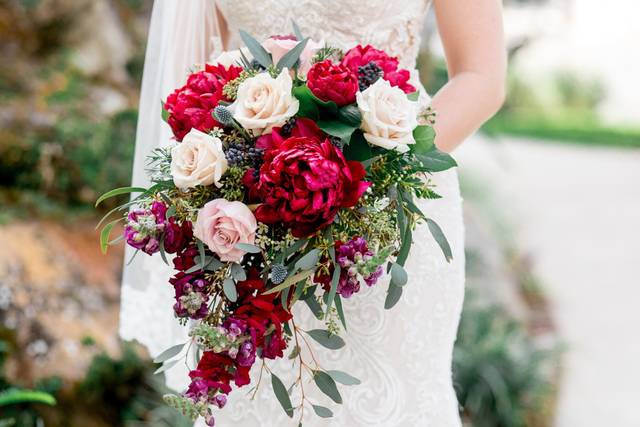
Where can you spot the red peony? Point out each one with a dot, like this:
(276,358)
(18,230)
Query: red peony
(304,182)
(333,82)
(191,106)
(360,56)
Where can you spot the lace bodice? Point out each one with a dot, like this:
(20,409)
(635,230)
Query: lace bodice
(394,26)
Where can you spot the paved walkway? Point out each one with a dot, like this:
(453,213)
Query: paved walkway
(577,211)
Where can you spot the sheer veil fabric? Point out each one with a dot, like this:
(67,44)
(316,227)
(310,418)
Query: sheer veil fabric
(402,356)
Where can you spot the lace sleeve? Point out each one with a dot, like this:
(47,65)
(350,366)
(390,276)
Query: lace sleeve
(181,34)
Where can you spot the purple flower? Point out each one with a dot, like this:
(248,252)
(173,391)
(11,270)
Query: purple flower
(192,300)
(145,227)
(247,354)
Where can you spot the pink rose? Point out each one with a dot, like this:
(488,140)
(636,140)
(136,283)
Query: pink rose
(278,46)
(222,224)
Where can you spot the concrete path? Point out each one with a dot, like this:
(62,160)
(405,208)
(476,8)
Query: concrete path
(576,209)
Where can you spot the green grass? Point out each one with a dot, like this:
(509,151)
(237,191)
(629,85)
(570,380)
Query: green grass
(574,128)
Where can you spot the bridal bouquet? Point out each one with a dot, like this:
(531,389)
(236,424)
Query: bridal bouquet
(293,178)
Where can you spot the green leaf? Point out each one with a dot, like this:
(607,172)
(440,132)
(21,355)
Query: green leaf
(437,234)
(296,30)
(334,284)
(413,96)
(165,113)
(258,52)
(202,252)
(238,272)
(303,275)
(436,160)
(340,311)
(350,114)
(163,254)
(308,107)
(337,128)
(15,397)
(229,288)
(424,136)
(358,148)
(169,353)
(326,384)
(290,58)
(309,260)
(119,191)
(249,248)
(295,247)
(398,275)
(322,412)
(315,307)
(407,240)
(343,378)
(324,338)
(393,296)
(165,366)
(281,394)
(106,233)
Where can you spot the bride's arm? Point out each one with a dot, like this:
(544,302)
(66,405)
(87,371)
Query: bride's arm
(473,40)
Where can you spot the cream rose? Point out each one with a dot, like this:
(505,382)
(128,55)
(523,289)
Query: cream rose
(264,102)
(222,224)
(388,116)
(279,46)
(197,160)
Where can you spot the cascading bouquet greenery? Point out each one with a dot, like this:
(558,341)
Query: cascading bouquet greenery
(292,178)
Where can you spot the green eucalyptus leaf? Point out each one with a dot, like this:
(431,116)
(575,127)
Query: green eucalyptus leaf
(167,365)
(309,260)
(258,52)
(334,284)
(322,412)
(324,338)
(393,296)
(399,275)
(229,288)
(281,394)
(169,353)
(315,307)
(202,252)
(327,385)
(343,320)
(440,238)
(343,378)
(296,30)
(238,272)
(105,234)
(290,58)
(249,248)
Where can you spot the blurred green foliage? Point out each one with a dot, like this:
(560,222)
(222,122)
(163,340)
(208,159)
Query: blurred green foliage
(500,373)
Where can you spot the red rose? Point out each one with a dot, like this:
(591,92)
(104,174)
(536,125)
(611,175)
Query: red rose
(304,182)
(333,82)
(191,106)
(360,56)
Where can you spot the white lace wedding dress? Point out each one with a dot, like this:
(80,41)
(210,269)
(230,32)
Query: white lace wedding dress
(402,355)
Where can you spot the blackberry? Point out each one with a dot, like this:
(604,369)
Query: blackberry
(337,142)
(287,128)
(244,155)
(368,75)
(278,273)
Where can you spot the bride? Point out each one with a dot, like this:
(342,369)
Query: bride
(403,355)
